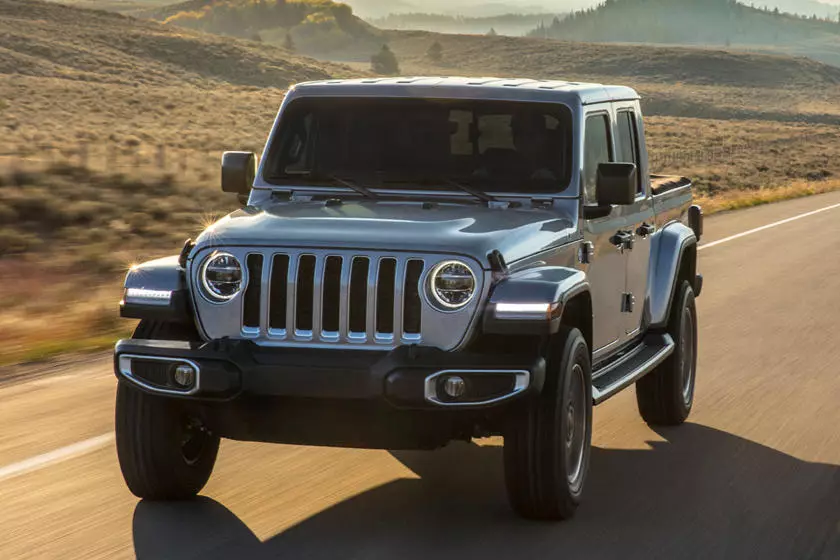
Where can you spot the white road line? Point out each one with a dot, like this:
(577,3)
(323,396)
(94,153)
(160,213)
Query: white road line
(55,456)
(768,226)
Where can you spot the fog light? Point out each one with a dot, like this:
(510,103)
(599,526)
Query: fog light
(455,387)
(184,375)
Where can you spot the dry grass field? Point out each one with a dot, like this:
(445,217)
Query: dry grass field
(90,101)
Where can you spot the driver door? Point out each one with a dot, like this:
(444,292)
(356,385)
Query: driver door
(606,268)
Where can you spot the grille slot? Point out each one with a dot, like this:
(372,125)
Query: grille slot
(348,299)
(358,294)
(413,306)
(331,304)
(277,292)
(305,307)
(251,304)
(385,297)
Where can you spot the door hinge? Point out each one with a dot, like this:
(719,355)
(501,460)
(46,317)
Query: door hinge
(585,252)
(628,302)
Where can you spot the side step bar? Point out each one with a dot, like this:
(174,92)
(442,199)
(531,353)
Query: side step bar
(620,374)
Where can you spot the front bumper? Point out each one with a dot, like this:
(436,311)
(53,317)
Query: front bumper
(405,378)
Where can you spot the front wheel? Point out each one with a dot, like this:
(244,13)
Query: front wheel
(164,452)
(547,444)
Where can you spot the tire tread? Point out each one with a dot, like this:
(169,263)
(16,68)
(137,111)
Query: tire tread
(658,394)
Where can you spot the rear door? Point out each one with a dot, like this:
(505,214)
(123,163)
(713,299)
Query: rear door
(638,217)
(606,268)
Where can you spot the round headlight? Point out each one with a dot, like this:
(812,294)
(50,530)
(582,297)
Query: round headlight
(221,276)
(452,284)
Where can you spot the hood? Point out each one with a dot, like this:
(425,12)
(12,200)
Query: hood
(464,229)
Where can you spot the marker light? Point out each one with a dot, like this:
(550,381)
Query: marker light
(147,297)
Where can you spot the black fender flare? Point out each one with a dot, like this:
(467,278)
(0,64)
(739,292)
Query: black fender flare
(157,290)
(541,293)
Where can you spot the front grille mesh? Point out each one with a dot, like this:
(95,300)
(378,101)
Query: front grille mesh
(342,298)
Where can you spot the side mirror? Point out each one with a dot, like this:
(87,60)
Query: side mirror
(616,184)
(239,169)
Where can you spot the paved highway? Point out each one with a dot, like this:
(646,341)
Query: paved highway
(755,474)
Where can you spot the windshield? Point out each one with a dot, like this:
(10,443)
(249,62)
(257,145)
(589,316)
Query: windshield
(434,144)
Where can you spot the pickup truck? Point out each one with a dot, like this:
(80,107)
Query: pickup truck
(418,261)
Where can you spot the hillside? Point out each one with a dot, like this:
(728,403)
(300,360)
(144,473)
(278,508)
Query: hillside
(700,22)
(121,6)
(516,56)
(315,26)
(52,40)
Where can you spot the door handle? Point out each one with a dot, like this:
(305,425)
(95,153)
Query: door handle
(645,229)
(622,240)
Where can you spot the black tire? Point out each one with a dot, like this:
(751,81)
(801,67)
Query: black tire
(164,453)
(547,443)
(665,396)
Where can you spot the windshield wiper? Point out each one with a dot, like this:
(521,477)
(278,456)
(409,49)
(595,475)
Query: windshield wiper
(364,191)
(480,195)
(336,180)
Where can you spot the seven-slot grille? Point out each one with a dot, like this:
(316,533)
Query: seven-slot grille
(341,298)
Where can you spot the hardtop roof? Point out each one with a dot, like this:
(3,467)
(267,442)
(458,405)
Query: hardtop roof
(522,89)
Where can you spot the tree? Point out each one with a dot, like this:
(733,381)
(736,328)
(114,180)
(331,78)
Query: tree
(435,52)
(385,62)
(289,43)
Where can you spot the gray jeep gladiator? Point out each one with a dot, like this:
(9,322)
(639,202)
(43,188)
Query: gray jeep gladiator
(417,261)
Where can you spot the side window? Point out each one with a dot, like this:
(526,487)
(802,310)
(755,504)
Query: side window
(628,148)
(596,150)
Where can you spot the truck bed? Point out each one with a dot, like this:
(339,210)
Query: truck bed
(660,184)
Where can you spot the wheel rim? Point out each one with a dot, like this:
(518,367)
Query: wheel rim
(193,440)
(576,426)
(687,356)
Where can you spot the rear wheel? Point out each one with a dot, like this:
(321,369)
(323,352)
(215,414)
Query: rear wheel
(164,452)
(665,396)
(547,444)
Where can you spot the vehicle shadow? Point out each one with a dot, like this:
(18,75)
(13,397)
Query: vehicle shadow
(702,493)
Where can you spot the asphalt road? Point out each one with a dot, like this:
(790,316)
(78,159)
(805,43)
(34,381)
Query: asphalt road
(754,474)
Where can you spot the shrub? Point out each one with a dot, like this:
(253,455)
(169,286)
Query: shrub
(16,242)
(38,206)
(8,215)
(86,212)
(435,52)
(385,62)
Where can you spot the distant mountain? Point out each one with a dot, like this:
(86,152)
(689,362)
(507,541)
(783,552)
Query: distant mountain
(467,8)
(700,22)
(508,24)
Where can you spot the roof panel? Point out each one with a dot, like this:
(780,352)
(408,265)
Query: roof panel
(435,86)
